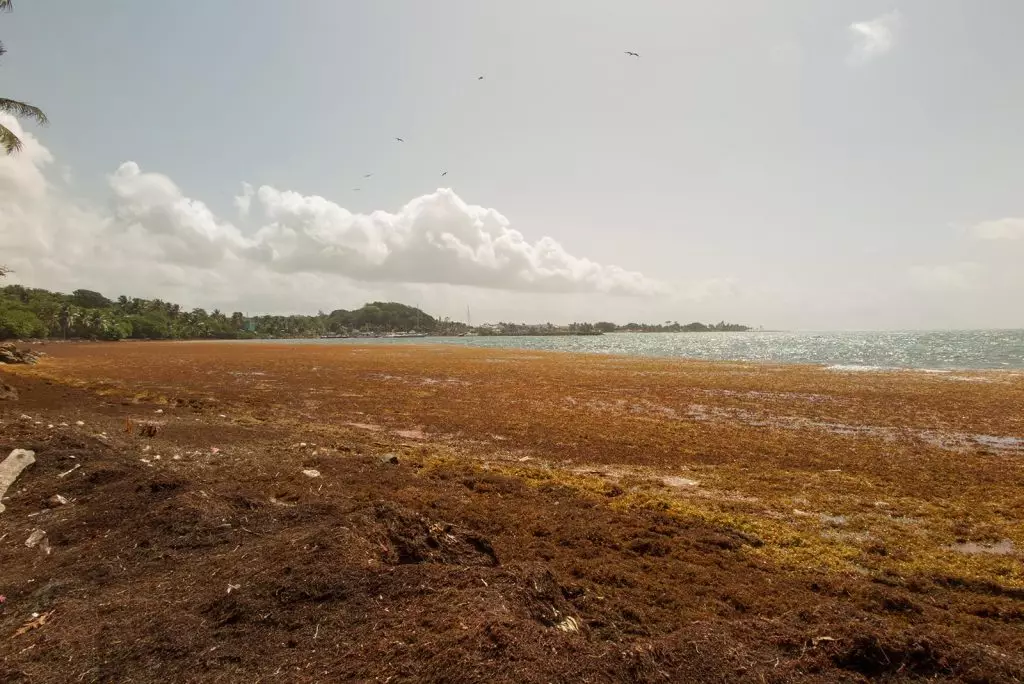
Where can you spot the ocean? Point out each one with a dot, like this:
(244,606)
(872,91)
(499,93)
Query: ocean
(939,350)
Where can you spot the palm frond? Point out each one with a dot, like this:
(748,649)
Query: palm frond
(9,141)
(22,110)
(2,49)
(6,5)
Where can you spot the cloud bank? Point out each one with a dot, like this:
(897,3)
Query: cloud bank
(151,229)
(958,277)
(1001,229)
(874,38)
(436,238)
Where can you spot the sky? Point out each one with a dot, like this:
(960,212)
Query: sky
(794,164)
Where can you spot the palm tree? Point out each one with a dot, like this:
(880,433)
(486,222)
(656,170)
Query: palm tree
(21,110)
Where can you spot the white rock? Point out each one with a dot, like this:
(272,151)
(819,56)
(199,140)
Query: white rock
(34,538)
(11,468)
(310,472)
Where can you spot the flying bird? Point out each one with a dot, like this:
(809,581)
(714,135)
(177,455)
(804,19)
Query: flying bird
(444,173)
(479,78)
(632,54)
(355,189)
(367,175)
(399,140)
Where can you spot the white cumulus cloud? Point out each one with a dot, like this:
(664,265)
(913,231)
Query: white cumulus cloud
(151,233)
(436,238)
(874,38)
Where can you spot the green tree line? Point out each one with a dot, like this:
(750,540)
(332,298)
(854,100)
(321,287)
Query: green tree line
(85,314)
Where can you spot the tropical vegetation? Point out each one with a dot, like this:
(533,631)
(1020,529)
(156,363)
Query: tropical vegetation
(28,312)
(22,110)
(34,312)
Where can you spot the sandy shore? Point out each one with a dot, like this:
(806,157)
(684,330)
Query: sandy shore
(550,517)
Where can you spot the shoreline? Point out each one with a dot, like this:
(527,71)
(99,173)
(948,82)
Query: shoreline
(427,343)
(925,351)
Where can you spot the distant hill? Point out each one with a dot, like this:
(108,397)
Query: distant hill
(381,317)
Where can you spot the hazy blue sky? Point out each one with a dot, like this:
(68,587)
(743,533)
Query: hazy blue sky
(794,163)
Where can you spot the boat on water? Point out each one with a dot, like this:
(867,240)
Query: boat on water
(403,335)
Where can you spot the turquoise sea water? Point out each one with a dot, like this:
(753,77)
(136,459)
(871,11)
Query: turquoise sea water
(968,349)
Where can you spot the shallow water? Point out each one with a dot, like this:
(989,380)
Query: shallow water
(844,351)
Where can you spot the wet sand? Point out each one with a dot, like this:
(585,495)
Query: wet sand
(550,517)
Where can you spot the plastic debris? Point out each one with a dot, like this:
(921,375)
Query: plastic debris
(58,500)
(311,472)
(68,472)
